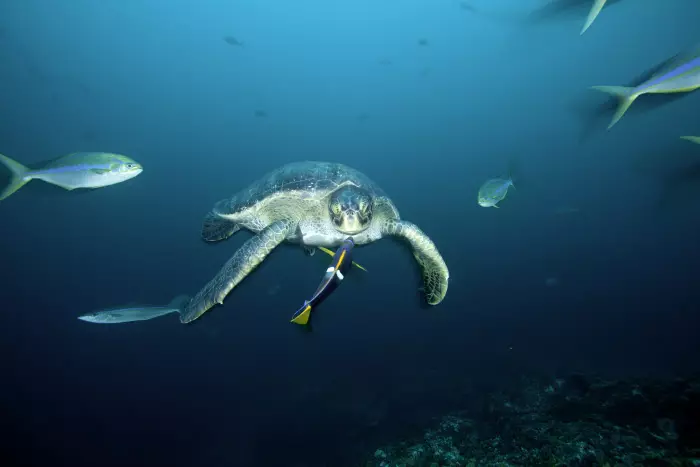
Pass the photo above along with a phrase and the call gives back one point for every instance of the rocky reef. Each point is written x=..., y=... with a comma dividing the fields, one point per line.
x=573, y=421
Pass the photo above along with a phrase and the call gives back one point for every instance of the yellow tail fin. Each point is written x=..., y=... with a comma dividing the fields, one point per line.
x=329, y=252
x=303, y=317
x=626, y=96
x=19, y=178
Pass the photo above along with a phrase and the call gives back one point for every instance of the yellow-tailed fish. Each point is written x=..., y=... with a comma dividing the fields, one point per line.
x=135, y=313
x=692, y=139
x=681, y=74
x=78, y=170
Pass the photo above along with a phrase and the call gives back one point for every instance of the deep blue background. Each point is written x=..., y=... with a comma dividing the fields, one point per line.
x=340, y=81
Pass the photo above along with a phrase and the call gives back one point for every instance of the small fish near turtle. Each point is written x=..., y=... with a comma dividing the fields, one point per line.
x=131, y=314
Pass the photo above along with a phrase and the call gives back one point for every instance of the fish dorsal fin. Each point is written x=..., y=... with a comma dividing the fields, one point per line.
x=59, y=161
x=654, y=71
x=330, y=253
x=674, y=62
x=45, y=163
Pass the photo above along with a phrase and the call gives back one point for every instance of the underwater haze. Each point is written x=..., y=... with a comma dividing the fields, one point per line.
x=588, y=265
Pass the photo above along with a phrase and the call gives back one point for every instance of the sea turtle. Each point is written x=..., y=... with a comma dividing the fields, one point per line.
x=315, y=204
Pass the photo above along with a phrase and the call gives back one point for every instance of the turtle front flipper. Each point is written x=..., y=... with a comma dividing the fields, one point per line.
x=244, y=260
x=215, y=228
x=435, y=273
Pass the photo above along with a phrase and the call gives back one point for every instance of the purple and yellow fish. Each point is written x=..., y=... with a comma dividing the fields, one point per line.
x=78, y=170
x=680, y=74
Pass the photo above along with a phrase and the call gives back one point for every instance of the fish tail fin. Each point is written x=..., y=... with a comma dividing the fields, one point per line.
x=179, y=302
x=302, y=315
x=593, y=14
x=692, y=139
x=626, y=96
x=19, y=176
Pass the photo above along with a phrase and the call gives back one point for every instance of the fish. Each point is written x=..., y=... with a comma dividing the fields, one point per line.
x=493, y=191
x=77, y=170
x=466, y=6
x=136, y=313
x=692, y=139
x=230, y=40
x=681, y=74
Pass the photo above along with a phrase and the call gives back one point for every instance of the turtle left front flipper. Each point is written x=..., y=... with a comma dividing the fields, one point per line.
x=435, y=273
x=243, y=262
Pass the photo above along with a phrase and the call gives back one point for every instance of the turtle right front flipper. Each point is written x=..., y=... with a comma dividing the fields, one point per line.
x=216, y=228
x=243, y=262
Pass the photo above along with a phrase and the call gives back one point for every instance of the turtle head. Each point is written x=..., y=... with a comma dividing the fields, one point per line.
x=350, y=208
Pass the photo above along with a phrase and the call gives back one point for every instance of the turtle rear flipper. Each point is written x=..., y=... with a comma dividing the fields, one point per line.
x=216, y=228
x=434, y=269
x=243, y=262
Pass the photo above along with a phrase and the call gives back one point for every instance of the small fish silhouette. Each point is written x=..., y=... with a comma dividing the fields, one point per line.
x=230, y=40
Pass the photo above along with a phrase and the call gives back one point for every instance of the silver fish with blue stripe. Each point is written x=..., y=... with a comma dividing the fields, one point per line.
x=77, y=170
x=680, y=74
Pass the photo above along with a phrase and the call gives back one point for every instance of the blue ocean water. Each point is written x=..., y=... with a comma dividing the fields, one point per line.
x=589, y=265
